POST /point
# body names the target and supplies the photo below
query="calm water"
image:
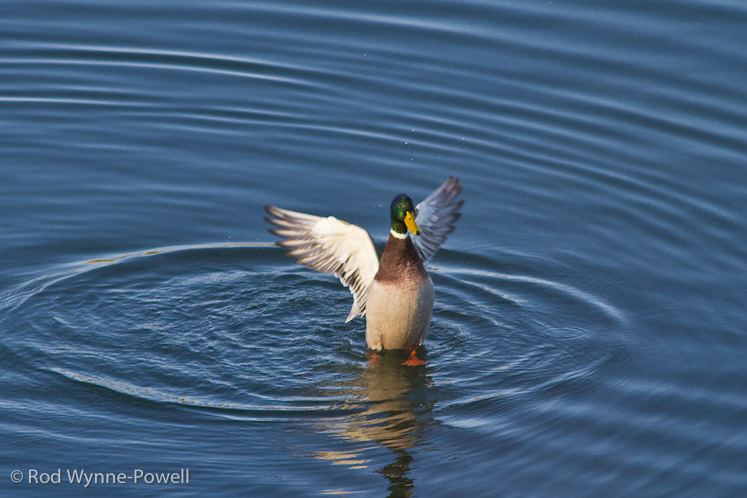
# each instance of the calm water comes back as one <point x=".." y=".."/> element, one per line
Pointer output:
<point x="589" y="334"/>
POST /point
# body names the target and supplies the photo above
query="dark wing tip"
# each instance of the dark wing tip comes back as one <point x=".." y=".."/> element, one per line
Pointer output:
<point x="273" y="221"/>
<point x="455" y="185"/>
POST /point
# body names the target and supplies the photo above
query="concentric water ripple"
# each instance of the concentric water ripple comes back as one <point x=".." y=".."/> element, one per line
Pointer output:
<point x="239" y="328"/>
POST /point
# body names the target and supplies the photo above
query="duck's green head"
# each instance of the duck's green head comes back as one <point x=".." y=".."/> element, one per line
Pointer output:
<point x="403" y="215"/>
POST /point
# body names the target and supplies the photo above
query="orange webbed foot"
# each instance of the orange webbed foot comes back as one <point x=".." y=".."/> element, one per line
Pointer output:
<point x="374" y="358"/>
<point x="414" y="361"/>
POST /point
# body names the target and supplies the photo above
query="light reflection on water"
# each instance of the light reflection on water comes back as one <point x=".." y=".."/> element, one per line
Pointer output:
<point x="395" y="415"/>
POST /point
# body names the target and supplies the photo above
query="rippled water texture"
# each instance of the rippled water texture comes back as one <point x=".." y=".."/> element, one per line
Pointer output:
<point x="588" y="336"/>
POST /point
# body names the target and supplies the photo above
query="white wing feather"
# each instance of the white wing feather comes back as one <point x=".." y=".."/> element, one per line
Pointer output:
<point x="435" y="217"/>
<point x="332" y="246"/>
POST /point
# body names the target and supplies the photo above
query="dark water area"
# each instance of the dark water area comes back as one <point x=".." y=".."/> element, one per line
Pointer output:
<point x="590" y="327"/>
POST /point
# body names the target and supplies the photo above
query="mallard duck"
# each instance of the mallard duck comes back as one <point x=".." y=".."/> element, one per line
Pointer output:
<point x="395" y="293"/>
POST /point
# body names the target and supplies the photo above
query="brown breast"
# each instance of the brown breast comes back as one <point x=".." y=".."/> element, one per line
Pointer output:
<point x="400" y="262"/>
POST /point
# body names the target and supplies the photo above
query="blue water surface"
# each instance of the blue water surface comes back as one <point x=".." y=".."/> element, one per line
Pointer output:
<point x="588" y="337"/>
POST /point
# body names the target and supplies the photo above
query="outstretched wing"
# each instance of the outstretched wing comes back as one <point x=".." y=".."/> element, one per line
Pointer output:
<point x="435" y="217"/>
<point x="329" y="245"/>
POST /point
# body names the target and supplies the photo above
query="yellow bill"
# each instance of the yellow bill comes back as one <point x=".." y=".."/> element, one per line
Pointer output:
<point x="410" y="223"/>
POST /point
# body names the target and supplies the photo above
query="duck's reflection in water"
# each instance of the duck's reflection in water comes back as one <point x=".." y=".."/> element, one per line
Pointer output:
<point x="395" y="413"/>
